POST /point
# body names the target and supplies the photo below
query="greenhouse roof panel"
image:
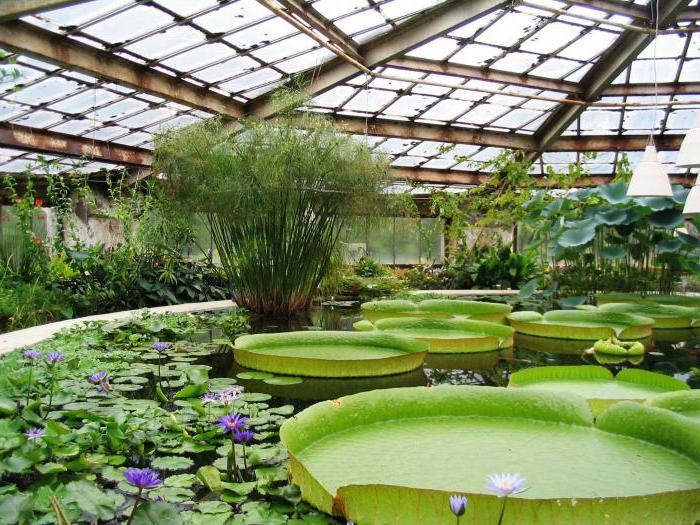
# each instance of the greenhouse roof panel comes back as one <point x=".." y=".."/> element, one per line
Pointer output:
<point x="438" y="76"/>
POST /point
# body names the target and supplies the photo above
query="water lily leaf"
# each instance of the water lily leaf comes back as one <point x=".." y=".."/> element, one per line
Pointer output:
<point x="212" y="507"/>
<point x="7" y="406"/>
<point x="577" y="237"/>
<point x="16" y="508"/>
<point x="285" y="410"/>
<point x="50" y="468"/>
<point x="172" y="494"/>
<point x="111" y="473"/>
<point x="126" y="387"/>
<point x="283" y="380"/>
<point x="172" y="463"/>
<point x="255" y="375"/>
<point x="184" y="481"/>
<point x="252" y="397"/>
<point x="195" y="518"/>
<point x="195" y="390"/>
<point x="156" y="513"/>
<point x="140" y="380"/>
<point x="210" y="477"/>
<point x="670" y="218"/>
<point x="90" y="499"/>
<point x="243" y="489"/>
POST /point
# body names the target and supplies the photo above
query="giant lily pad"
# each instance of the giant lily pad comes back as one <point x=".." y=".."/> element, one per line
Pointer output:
<point x="395" y="456"/>
<point x="683" y="402"/>
<point x="448" y="336"/>
<point x="329" y="354"/>
<point x="692" y="301"/>
<point x="581" y="324"/>
<point x="596" y="383"/>
<point x="665" y="316"/>
<point x="440" y="308"/>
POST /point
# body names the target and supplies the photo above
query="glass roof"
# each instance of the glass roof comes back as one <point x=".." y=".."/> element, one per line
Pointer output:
<point x="503" y="71"/>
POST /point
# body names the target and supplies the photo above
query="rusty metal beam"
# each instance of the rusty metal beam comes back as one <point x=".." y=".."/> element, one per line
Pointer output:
<point x="474" y="178"/>
<point x="615" y="143"/>
<point x="315" y="20"/>
<point x="690" y="14"/>
<point x="458" y="70"/>
<point x="600" y="76"/>
<point x="410" y="130"/>
<point x="32" y="139"/>
<point x="10" y="9"/>
<point x="31" y="40"/>
<point x="666" y="88"/>
<point x="617" y="8"/>
<point x="406" y="36"/>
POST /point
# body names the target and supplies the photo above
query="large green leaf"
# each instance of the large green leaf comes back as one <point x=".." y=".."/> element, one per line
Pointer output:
<point x="613" y="252"/>
<point x="596" y="383"/>
<point x="576" y="237"/>
<point x="92" y="500"/>
<point x="683" y="402"/>
<point x="671" y="218"/>
<point x="154" y="513"/>
<point x="614" y="193"/>
<point x="446" y="335"/>
<point x="581" y="324"/>
<point x="611" y="216"/>
<point x="330" y="353"/>
<point x="664" y="316"/>
<point x="357" y="458"/>
<point x="439" y="308"/>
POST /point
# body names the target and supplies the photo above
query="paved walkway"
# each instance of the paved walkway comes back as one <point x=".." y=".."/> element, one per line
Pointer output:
<point x="467" y="293"/>
<point x="36" y="334"/>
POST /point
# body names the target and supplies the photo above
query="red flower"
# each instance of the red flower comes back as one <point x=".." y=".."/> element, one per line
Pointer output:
<point x="37" y="240"/>
<point x="38" y="203"/>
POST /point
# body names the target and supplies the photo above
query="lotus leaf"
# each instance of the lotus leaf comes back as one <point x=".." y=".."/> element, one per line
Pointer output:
<point x="439" y="308"/>
<point x="683" y="402"/>
<point x="581" y="324"/>
<point x="664" y="316"/>
<point x="329" y="354"/>
<point x="446" y="335"/>
<point x="356" y="457"/>
<point x="596" y="383"/>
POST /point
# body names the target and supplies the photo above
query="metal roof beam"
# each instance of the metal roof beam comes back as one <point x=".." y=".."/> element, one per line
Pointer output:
<point x="408" y="35"/>
<point x="606" y="69"/>
<point x="10" y="9"/>
<point x="617" y="8"/>
<point x="316" y="21"/>
<point x="31" y="40"/>
<point x="52" y="142"/>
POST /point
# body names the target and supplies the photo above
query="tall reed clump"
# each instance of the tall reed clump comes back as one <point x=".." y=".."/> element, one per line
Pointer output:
<point x="275" y="195"/>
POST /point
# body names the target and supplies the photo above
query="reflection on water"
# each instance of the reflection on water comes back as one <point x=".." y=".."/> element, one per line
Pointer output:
<point x="672" y="352"/>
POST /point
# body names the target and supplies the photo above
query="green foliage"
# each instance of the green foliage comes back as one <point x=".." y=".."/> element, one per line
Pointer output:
<point x="600" y="240"/>
<point x="368" y="267"/>
<point x="490" y="267"/>
<point x="273" y="197"/>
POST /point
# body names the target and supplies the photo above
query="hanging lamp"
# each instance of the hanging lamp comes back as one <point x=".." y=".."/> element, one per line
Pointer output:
<point x="649" y="178"/>
<point x="689" y="157"/>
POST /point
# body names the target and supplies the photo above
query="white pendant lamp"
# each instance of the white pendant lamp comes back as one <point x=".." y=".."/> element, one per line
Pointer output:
<point x="649" y="178"/>
<point x="692" y="202"/>
<point x="689" y="154"/>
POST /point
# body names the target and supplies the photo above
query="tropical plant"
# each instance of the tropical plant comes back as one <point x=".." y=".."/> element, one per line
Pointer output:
<point x="275" y="195"/>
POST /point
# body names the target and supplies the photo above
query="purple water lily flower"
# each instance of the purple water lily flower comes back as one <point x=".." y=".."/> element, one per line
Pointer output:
<point x="210" y="397"/>
<point x="243" y="436"/>
<point x="142" y="478"/>
<point x="458" y="505"/>
<point x="31" y="354"/>
<point x="160" y="347"/>
<point x="233" y="422"/>
<point x="34" y="433"/>
<point x="99" y="377"/>
<point x="506" y="484"/>
<point x="55" y="357"/>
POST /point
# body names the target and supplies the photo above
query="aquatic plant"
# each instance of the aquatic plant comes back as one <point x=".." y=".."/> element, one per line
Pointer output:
<point x="458" y="506"/>
<point x="141" y="479"/>
<point x="276" y="224"/>
<point x="504" y="485"/>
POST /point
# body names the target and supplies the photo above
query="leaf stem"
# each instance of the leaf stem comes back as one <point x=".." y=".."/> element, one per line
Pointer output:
<point x="136" y="504"/>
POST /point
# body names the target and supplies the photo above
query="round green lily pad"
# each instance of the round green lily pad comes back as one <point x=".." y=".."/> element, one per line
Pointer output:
<point x="447" y="336"/>
<point x="616" y="347"/>
<point x="683" y="402"/>
<point x="665" y="316"/>
<point x="255" y="375"/>
<point x="329" y="354"/>
<point x="581" y="324"/>
<point x="692" y="301"/>
<point x="395" y="456"/>
<point x="283" y="380"/>
<point x="596" y="383"/>
<point x="435" y="308"/>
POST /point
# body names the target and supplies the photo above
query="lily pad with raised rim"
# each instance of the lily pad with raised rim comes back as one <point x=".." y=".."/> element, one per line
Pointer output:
<point x="436" y="308"/>
<point x="395" y="456"/>
<point x="581" y="324"/>
<point x="551" y="345"/>
<point x="329" y="354"/>
<point x="596" y="383"/>
<point x="448" y="336"/>
<point x="624" y="297"/>
<point x="665" y="316"/>
<point x="683" y="402"/>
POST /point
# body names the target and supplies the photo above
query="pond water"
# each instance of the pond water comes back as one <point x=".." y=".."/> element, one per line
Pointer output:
<point x="671" y="352"/>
